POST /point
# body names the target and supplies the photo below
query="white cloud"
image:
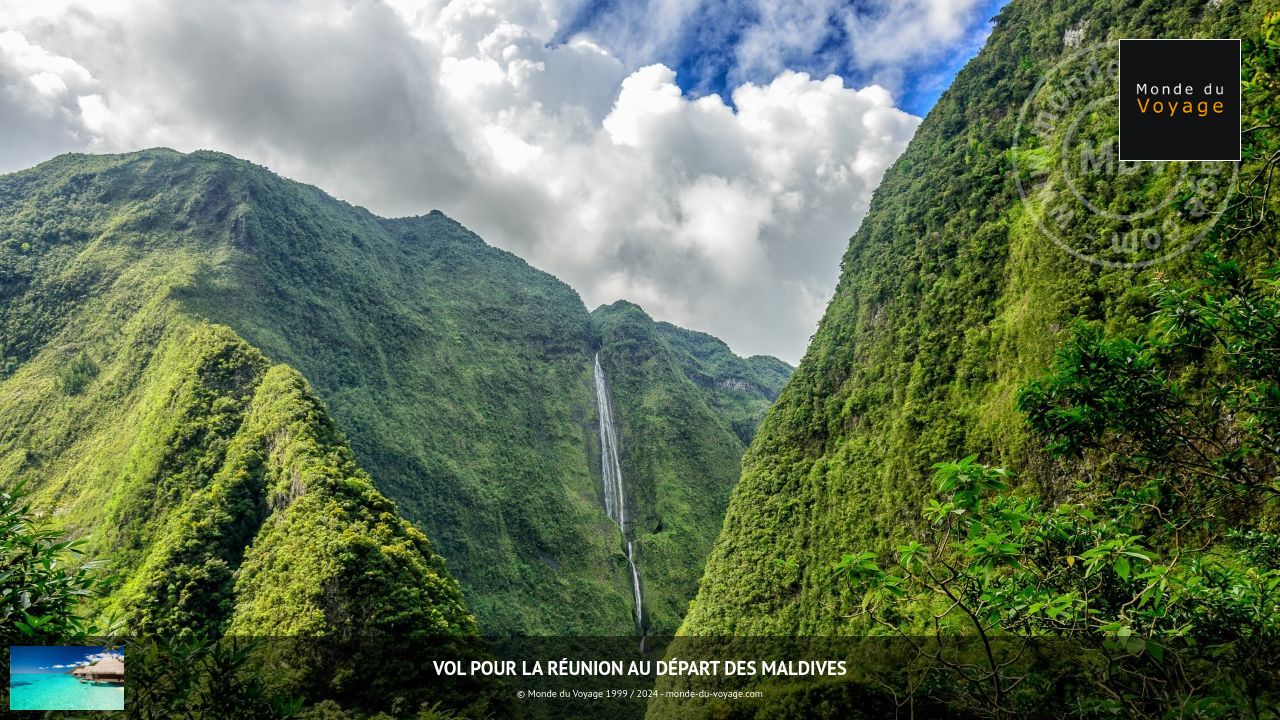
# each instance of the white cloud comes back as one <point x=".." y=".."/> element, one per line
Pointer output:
<point x="880" y="36"/>
<point x="726" y="219"/>
<point x="903" y="35"/>
<point x="894" y="31"/>
<point x="39" y="101"/>
<point x="884" y="40"/>
<point x="101" y="656"/>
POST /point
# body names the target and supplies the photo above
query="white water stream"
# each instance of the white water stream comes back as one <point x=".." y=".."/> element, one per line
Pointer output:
<point x="615" y="497"/>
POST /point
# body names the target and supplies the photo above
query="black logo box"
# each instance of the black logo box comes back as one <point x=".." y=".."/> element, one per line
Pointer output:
<point x="1188" y="66"/>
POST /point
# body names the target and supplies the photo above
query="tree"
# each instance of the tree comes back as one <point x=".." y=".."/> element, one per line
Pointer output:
<point x="1154" y="565"/>
<point x="43" y="579"/>
<point x="1142" y="579"/>
<point x="1146" y="621"/>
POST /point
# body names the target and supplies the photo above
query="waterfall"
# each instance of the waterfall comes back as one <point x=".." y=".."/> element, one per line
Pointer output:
<point x="615" y="497"/>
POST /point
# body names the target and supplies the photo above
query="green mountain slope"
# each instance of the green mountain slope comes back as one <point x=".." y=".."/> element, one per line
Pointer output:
<point x="949" y="299"/>
<point x="196" y="461"/>
<point x="681" y="399"/>
<point x="461" y="376"/>
<point x="738" y="389"/>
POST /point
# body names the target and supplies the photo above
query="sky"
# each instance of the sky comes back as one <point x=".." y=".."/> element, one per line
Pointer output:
<point x="32" y="660"/>
<point x="707" y="159"/>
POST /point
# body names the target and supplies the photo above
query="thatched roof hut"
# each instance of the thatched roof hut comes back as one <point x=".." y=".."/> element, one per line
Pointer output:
<point x="106" y="670"/>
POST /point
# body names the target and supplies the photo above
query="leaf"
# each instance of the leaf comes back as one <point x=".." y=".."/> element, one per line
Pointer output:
<point x="1155" y="650"/>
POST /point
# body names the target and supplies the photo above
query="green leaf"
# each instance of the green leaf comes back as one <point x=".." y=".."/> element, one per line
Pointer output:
<point x="1155" y="650"/>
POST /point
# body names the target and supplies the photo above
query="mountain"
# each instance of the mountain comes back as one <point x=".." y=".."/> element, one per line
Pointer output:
<point x="950" y="298"/>
<point x="222" y="379"/>
<point x="684" y="404"/>
<point x="738" y="389"/>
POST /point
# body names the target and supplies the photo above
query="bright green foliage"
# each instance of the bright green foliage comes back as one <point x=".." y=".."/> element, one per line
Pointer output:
<point x="286" y="536"/>
<point x="1150" y="405"/>
<point x="949" y="299"/>
<point x="189" y="547"/>
<point x="334" y="553"/>
<point x="289" y="536"/>
<point x="235" y="508"/>
<point x="43" y="579"/>
<point x="682" y="399"/>
<point x="1134" y="583"/>
<point x="193" y="677"/>
<point x="1138" y="576"/>
<point x="140" y="297"/>
<point x="1153" y="564"/>
<point x="77" y="374"/>
<point x="168" y="458"/>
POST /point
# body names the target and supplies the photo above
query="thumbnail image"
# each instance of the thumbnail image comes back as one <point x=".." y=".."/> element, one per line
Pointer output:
<point x="66" y="678"/>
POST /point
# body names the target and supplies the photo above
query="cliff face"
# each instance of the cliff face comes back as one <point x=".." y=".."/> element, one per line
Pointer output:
<point x="950" y="298"/>
<point x="149" y="304"/>
<point x="682" y="402"/>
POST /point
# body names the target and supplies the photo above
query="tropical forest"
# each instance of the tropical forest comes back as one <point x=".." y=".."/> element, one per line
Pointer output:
<point x="284" y="452"/>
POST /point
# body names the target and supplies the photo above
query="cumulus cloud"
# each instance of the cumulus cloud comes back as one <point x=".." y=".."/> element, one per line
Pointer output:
<point x="40" y="101"/>
<point x="101" y="656"/>
<point x="723" y="214"/>
<point x="899" y="36"/>
<point x="730" y="221"/>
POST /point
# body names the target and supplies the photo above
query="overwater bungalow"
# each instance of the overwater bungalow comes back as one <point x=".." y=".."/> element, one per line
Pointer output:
<point x="107" y="671"/>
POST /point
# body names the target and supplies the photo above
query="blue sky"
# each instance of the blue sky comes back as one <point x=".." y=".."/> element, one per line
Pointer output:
<point x="37" y="660"/>
<point x="706" y="159"/>
<point x="705" y="49"/>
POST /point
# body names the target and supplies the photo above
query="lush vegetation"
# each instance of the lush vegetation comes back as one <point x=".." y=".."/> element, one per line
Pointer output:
<point x="950" y="299"/>
<point x="224" y="455"/>
<point x="1130" y="566"/>
<point x="683" y="402"/>
<point x="141" y="296"/>
<point x="1158" y="560"/>
<point x="48" y="594"/>
<point x="738" y="389"/>
<point x="44" y="580"/>
<point x="288" y="537"/>
<point x="217" y="485"/>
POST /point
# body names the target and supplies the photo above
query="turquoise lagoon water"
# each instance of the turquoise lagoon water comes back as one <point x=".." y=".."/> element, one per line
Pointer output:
<point x="61" y="692"/>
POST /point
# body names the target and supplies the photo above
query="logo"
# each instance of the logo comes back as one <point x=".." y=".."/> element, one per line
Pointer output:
<point x="1079" y="192"/>
<point x="1180" y="100"/>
